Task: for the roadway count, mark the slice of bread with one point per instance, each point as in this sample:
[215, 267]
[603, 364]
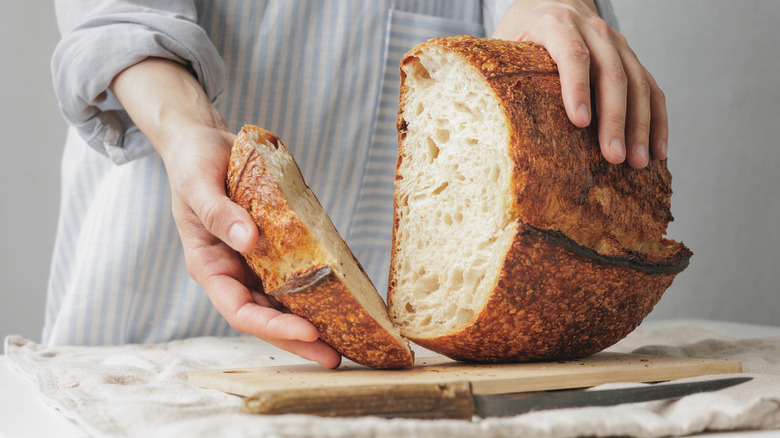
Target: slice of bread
[302, 260]
[513, 239]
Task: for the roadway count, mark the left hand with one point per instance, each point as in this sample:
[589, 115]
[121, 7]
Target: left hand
[168, 105]
[213, 229]
[630, 106]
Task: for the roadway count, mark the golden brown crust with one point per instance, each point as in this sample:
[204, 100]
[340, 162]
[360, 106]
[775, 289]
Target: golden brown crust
[319, 296]
[285, 242]
[282, 234]
[589, 260]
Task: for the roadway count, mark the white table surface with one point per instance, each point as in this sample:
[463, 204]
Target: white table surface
[24, 414]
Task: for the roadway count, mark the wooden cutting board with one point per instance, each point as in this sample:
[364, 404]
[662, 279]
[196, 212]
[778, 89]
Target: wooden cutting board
[485, 379]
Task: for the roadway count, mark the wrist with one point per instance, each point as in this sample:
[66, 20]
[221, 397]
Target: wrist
[164, 100]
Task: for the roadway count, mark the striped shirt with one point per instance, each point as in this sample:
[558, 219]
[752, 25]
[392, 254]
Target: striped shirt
[321, 74]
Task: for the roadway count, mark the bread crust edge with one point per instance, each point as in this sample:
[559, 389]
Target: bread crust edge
[585, 300]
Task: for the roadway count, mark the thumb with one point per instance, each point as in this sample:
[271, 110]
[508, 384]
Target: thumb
[223, 218]
[197, 178]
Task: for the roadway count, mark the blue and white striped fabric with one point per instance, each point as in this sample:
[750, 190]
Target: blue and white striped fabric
[118, 273]
[321, 74]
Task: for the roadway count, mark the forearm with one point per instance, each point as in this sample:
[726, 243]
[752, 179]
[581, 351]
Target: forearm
[164, 100]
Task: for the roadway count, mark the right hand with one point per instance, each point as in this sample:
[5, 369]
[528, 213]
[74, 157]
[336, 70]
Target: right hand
[170, 107]
[632, 116]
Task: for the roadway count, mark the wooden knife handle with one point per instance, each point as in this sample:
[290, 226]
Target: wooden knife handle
[415, 400]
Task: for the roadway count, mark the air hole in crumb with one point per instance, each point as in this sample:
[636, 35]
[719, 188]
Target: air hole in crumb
[416, 69]
[462, 107]
[419, 109]
[433, 150]
[471, 141]
[495, 173]
[458, 217]
[409, 308]
[270, 140]
[456, 279]
[440, 189]
[443, 135]
[427, 284]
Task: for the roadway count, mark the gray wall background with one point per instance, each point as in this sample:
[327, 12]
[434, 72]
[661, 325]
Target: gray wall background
[719, 65]
[32, 137]
[718, 62]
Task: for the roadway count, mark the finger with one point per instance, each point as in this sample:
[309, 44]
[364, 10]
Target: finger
[318, 351]
[638, 111]
[571, 54]
[268, 301]
[223, 218]
[286, 331]
[234, 301]
[659, 121]
[198, 178]
[610, 87]
[290, 332]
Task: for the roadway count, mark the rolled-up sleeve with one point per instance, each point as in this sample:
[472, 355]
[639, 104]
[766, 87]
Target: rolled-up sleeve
[100, 38]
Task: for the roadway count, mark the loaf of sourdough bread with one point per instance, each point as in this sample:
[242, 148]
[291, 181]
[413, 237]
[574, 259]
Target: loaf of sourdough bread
[302, 260]
[513, 239]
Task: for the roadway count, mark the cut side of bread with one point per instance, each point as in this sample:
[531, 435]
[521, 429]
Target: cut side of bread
[513, 239]
[302, 260]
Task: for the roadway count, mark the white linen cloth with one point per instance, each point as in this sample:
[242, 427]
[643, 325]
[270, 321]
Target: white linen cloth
[142, 390]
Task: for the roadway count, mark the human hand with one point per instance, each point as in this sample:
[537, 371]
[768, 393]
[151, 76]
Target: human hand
[631, 108]
[212, 229]
[169, 106]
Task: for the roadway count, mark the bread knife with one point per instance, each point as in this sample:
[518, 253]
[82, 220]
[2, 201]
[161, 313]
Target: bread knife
[456, 400]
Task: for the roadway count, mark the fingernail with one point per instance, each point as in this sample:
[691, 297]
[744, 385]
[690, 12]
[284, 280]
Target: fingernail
[641, 150]
[663, 148]
[583, 113]
[237, 234]
[616, 146]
